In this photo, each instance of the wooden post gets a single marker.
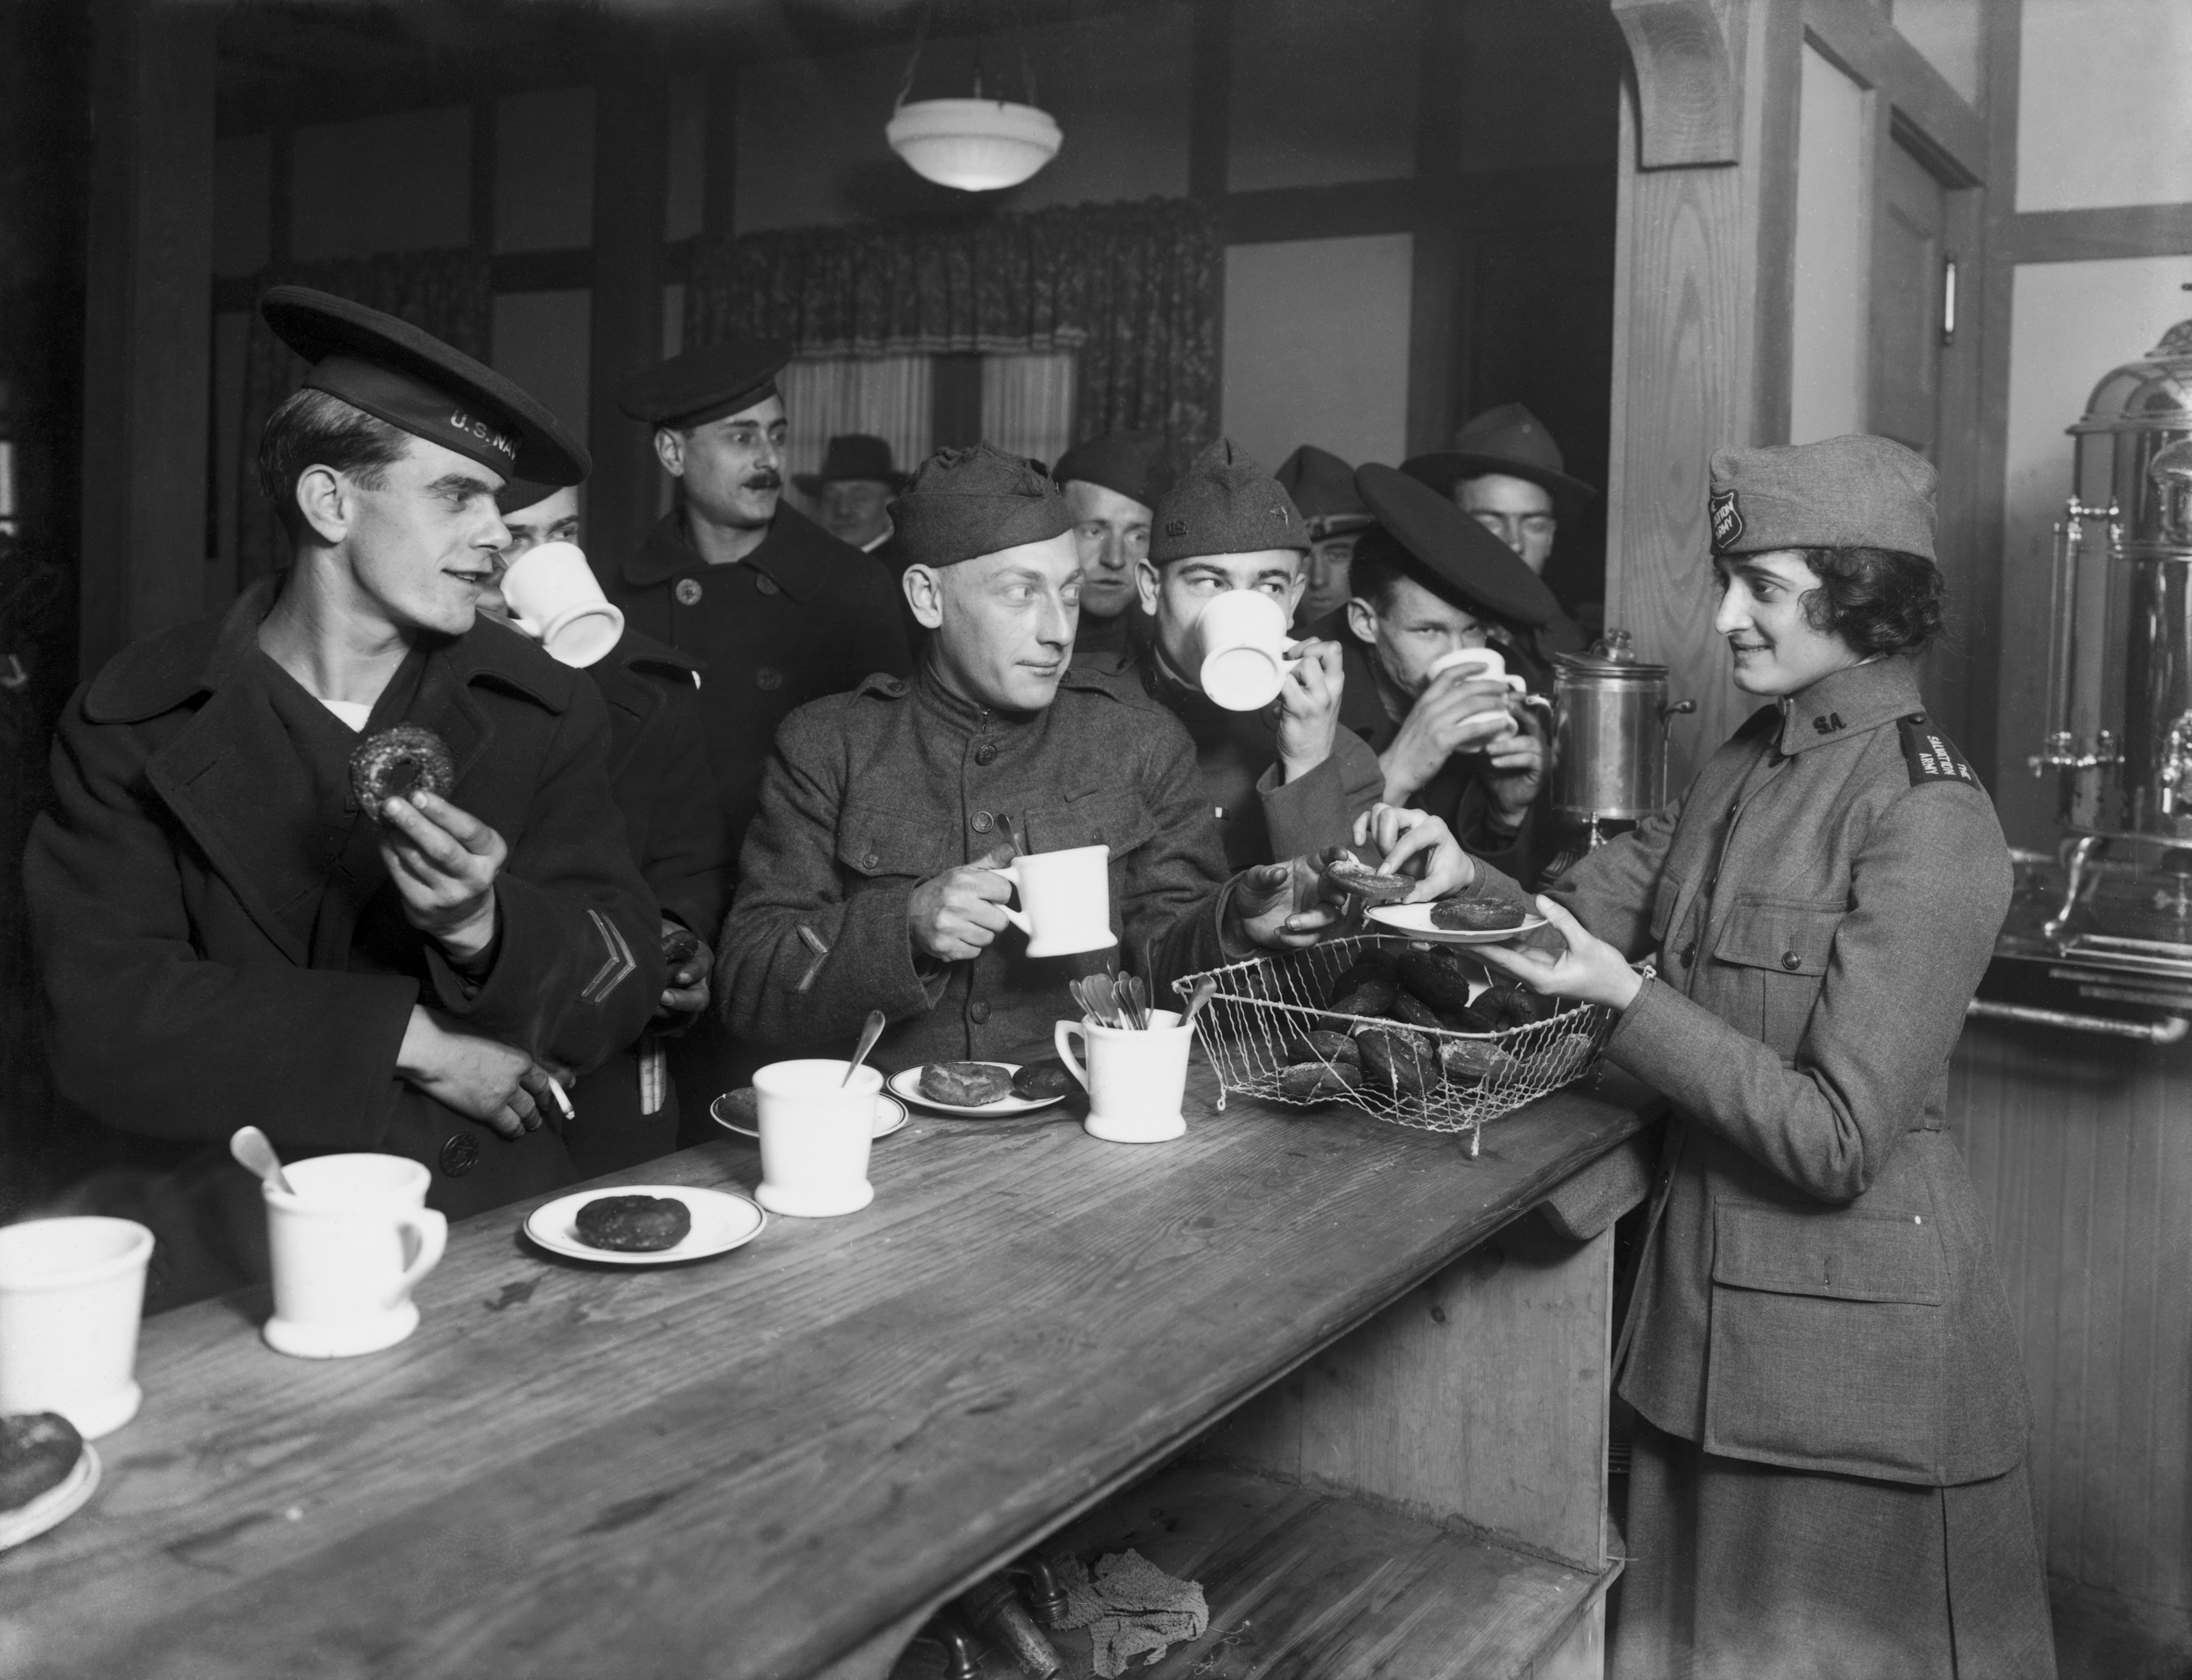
(630, 214)
(148, 322)
(1701, 299)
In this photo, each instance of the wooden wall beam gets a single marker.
(719, 180)
(1688, 102)
(630, 216)
(1858, 35)
(2083, 236)
(1210, 94)
(148, 315)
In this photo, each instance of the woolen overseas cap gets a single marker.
(1452, 554)
(706, 383)
(417, 384)
(1323, 488)
(1841, 493)
(963, 504)
(1224, 503)
(1137, 464)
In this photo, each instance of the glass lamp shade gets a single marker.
(976, 145)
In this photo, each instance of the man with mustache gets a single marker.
(870, 879)
(774, 610)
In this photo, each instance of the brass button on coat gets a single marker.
(983, 823)
(1791, 961)
(768, 679)
(764, 583)
(687, 591)
(460, 1154)
(978, 1013)
(986, 753)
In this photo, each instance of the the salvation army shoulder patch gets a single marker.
(1932, 756)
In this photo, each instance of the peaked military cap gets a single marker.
(413, 381)
(706, 383)
(1841, 493)
(1509, 439)
(963, 504)
(1224, 503)
(1449, 552)
(1323, 488)
(1137, 464)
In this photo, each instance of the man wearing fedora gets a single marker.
(1506, 472)
(1322, 487)
(852, 491)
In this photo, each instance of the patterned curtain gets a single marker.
(449, 293)
(1027, 403)
(1131, 289)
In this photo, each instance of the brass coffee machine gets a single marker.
(2120, 663)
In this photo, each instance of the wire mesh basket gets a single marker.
(1257, 1024)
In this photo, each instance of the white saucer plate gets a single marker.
(890, 1115)
(1415, 921)
(906, 1085)
(721, 1223)
(54, 1507)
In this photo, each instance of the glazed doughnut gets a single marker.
(399, 761)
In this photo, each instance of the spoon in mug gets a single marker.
(869, 1034)
(255, 1153)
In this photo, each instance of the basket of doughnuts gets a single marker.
(1418, 1034)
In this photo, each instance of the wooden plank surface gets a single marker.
(747, 1467)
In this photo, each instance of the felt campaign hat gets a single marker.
(409, 378)
(1841, 493)
(1224, 503)
(853, 455)
(1449, 552)
(1136, 464)
(706, 383)
(962, 503)
(1509, 439)
(1323, 488)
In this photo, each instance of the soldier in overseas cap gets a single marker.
(629, 1107)
(1832, 1418)
(1285, 779)
(870, 879)
(1431, 583)
(1322, 487)
(227, 938)
(1112, 483)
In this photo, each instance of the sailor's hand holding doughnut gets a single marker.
(443, 860)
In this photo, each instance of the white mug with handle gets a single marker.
(1136, 1078)
(339, 1236)
(1243, 638)
(1065, 900)
(556, 600)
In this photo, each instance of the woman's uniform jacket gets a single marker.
(217, 953)
(1821, 902)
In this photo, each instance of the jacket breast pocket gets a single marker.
(1094, 817)
(1781, 951)
(878, 844)
(1827, 1341)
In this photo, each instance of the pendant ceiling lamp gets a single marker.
(973, 145)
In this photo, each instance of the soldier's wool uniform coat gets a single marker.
(221, 945)
(1834, 1410)
(660, 778)
(874, 792)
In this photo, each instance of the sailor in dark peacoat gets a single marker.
(218, 944)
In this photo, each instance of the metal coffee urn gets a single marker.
(1610, 712)
(2119, 661)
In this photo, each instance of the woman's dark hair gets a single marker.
(311, 429)
(1879, 601)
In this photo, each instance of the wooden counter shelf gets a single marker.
(778, 1463)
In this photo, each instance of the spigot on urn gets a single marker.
(2174, 775)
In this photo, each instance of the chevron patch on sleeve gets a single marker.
(618, 963)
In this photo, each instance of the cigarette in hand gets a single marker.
(562, 1101)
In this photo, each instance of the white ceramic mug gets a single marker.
(1136, 1079)
(342, 1275)
(1491, 666)
(816, 1129)
(71, 1292)
(1065, 900)
(556, 600)
(1243, 639)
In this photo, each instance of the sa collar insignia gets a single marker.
(1726, 521)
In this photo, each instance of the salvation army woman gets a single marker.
(1828, 1467)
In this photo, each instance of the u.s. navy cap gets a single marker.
(412, 380)
(1450, 553)
(706, 383)
(963, 504)
(1841, 493)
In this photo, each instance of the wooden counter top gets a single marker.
(749, 1466)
